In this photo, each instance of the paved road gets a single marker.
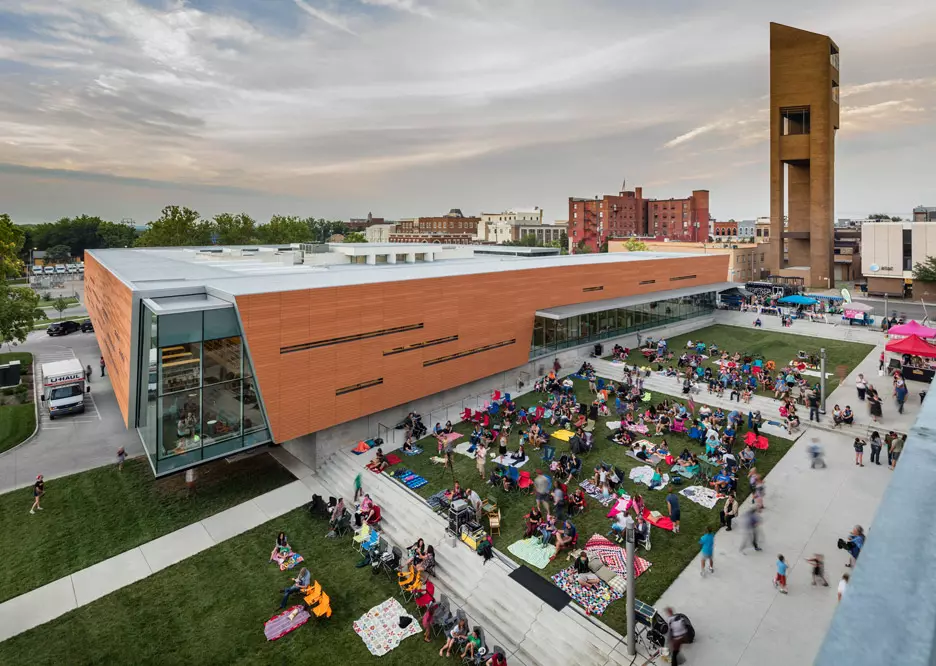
(76, 442)
(908, 308)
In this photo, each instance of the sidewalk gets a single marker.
(739, 618)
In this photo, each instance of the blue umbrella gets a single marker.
(797, 299)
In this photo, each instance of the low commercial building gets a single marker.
(215, 350)
(924, 214)
(746, 261)
(889, 250)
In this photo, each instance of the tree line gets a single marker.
(176, 226)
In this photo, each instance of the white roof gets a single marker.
(56, 368)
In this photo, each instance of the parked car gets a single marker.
(63, 327)
(71, 268)
(87, 326)
(37, 270)
(48, 270)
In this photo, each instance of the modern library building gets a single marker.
(213, 350)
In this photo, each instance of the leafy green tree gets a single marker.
(634, 245)
(177, 226)
(284, 229)
(60, 305)
(355, 237)
(323, 229)
(925, 271)
(116, 234)
(11, 242)
(58, 254)
(19, 310)
(240, 229)
(562, 243)
(78, 234)
(582, 248)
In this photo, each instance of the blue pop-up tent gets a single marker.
(797, 299)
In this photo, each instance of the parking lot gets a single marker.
(74, 442)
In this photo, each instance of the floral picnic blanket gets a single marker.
(379, 627)
(289, 561)
(595, 493)
(613, 556)
(532, 552)
(644, 474)
(594, 600)
(702, 496)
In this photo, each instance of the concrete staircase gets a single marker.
(530, 631)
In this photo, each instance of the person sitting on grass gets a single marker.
(583, 573)
(576, 501)
(299, 582)
(641, 531)
(472, 644)
(747, 456)
(565, 536)
(379, 463)
(547, 528)
(533, 521)
(657, 479)
(337, 513)
(636, 503)
(457, 633)
(282, 545)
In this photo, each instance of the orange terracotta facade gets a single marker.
(327, 381)
(110, 305)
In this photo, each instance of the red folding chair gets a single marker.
(427, 597)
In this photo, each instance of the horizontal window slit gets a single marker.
(349, 338)
(358, 387)
(468, 352)
(420, 345)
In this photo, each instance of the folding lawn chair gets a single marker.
(549, 452)
(323, 608)
(409, 592)
(480, 655)
(391, 564)
(343, 526)
(424, 600)
(362, 535)
(443, 618)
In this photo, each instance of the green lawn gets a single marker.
(773, 346)
(17, 422)
(210, 609)
(94, 515)
(670, 553)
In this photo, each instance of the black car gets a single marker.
(87, 326)
(62, 328)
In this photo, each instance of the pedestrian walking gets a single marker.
(818, 569)
(358, 488)
(874, 404)
(38, 492)
(729, 511)
(88, 373)
(678, 634)
(121, 456)
(881, 362)
(780, 579)
(859, 451)
(876, 448)
(843, 585)
(707, 542)
(672, 506)
(541, 487)
(900, 392)
(816, 458)
(752, 520)
(103, 364)
(861, 386)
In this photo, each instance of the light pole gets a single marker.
(822, 381)
(631, 585)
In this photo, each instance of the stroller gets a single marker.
(418, 430)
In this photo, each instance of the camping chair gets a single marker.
(513, 475)
(480, 656)
(489, 505)
(362, 535)
(372, 540)
(407, 577)
(323, 608)
(312, 594)
(391, 564)
(549, 452)
(427, 597)
(466, 414)
(344, 524)
(524, 481)
(442, 619)
(679, 425)
(409, 592)
(494, 519)
(496, 396)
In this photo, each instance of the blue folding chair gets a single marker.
(549, 452)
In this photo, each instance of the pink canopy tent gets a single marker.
(913, 328)
(913, 345)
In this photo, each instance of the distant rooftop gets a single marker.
(228, 271)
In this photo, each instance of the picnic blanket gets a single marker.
(532, 551)
(702, 496)
(653, 458)
(379, 627)
(282, 623)
(563, 435)
(595, 493)
(644, 474)
(463, 449)
(509, 461)
(663, 522)
(415, 451)
(452, 436)
(410, 479)
(594, 600)
(619, 505)
(288, 561)
(638, 428)
(613, 556)
(613, 425)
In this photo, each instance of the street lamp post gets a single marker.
(822, 379)
(631, 585)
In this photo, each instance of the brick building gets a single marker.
(360, 224)
(593, 221)
(726, 229)
(453, 222)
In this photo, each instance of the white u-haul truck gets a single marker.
(63, 387)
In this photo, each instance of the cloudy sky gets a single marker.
(334, 108)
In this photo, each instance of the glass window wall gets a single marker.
(552, 335)
(198, 395)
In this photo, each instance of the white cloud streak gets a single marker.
(324, 17)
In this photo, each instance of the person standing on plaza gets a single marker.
(812, 400)
(780, 578)
(88, 373)
(729, 511)
(876, 447)
(881, 361)
(38, 492)
(874, 404)
(859, 451)
(843, 585)
(672, 506)
(707, 542)
(481, 457)
(900, 392)
(818, 569)
(121, 457)
(102, 366)
(896, 448)
(752, 520)
(861, 386)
